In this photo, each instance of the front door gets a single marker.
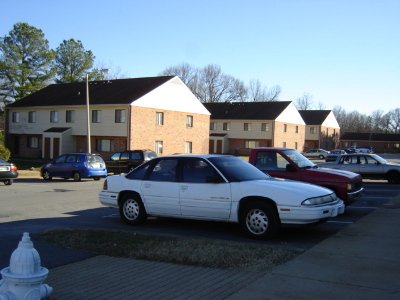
(56, 147)
(47, 148)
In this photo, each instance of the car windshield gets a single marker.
(2, 161)
(235, 169)
(380, 159)
(300, 160)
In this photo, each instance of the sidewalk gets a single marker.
(360, 262)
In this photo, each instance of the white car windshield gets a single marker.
(300, 160)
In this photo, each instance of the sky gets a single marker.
(340, 52)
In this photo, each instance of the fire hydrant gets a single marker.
(23, 279)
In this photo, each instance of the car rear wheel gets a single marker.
(131, 210)
(393, 177)
(8, 182)
(46, 175)
(76, 176)
(96, 178)
(260, 220)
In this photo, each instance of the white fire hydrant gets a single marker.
(23, 279)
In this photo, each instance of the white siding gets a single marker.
(290, 115)
(330, 121)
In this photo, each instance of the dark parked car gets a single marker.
(125, 161)
(76, 166)
(8, 171)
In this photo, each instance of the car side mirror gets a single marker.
(290, 168)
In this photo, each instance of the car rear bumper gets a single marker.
(108, 198)
(8, 175)
(97, 173)
(311, 214)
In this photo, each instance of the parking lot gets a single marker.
(35, 206)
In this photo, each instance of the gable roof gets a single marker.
(314, 117)
(118, 91)
(366, 136)
(247, 110)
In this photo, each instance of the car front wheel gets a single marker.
(260, 220)
(46, 175)
(393, 177)
(131, 210)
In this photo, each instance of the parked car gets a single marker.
(316, 153)
(76, 166)
(333, 154)
(123, 162)
(290, 164)
(218, 188)
(364, 150)
(8, 172)
(368, 166)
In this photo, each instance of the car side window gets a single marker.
(124, 156)
(61, 159)
(71, 159)
(115, 156)
(136, 156)
(371, 161)
(196, 170)
(164, 170)
(138, 173)
(266, 161)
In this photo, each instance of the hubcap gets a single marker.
(131, 209)
(257, 221)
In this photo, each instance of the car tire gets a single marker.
(131, 209)
(76, 176)
(46, 175)
(96, 178)
(321, 157)
(393, 177)
(8, 182)
(260, 220)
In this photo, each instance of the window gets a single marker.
(284, 127)
(159, 118)
(120, 115)
(213, 126)
(164, 170)
(96, 116)
(32, 117)
(70, 116)
(266, 161)
(295, 145)
(312, 130)
(297, 129)
(225, 126)
(33, 142)
(189, 121)
(158, 147)
(284, 144)
(53, 116)
(196, 170)
(15, 117)
(188, 147)
(264, 127)
(246, 126)
(250, 144)
(104, 145)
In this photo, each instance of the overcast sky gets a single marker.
(341, 52)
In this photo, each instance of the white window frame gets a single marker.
(33, 142)
(265, 127)
(15, 117)
(249, 144)
(188, 147)
(96, 116)
(120, 115)
(225, 126)
(159, 118)
(32, 117)
(213, 126)
(189, 121)
(104, 145)
(158, 147)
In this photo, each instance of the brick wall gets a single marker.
(174, 133)
(290, 137)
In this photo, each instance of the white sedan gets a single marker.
(219, 188)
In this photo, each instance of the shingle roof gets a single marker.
(314, 117)
(118, 91)
(247, 110)
(366, 136)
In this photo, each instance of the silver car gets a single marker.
(316, 153)
(370, 166)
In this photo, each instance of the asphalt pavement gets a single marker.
(362, 261)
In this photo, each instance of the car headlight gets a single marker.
(320, 200)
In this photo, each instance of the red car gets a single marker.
(290, 164)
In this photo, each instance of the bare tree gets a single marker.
(304, 102)
(394, 120)
(258, 92)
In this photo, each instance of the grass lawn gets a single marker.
(205, 253)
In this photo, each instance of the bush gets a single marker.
(4, 153)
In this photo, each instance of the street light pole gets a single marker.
(89, 148)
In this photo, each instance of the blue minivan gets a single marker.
(76, 166)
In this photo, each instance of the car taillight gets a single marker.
(105, 185)
(13, 168)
